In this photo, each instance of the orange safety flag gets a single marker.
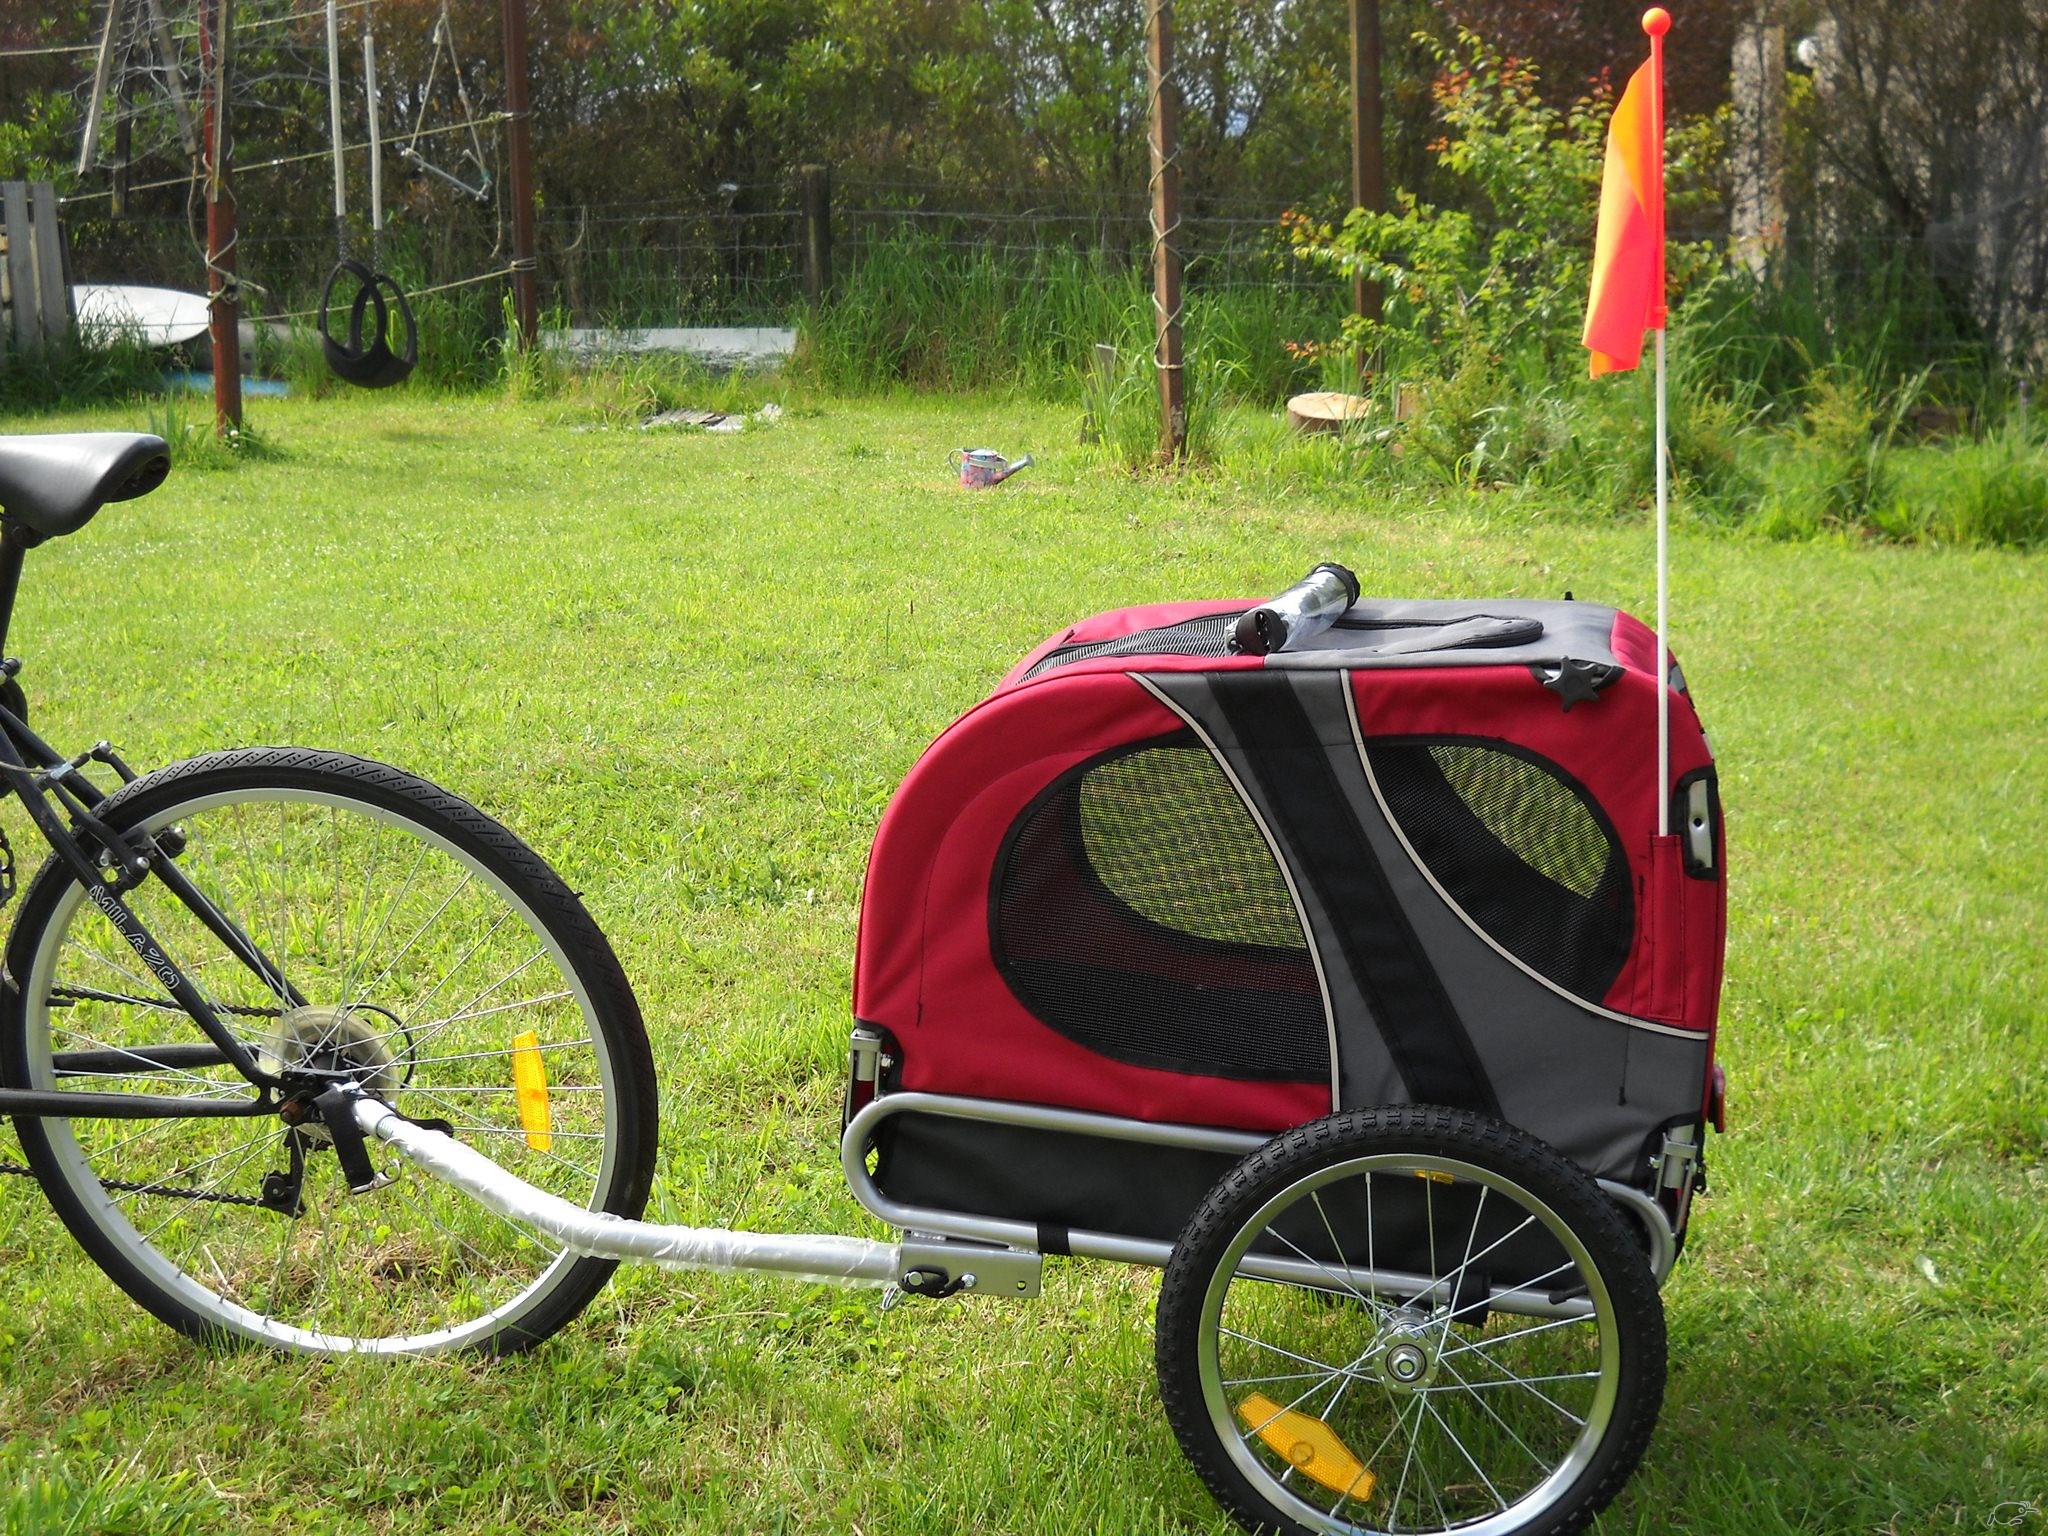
(1627, 295)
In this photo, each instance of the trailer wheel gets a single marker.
(1410, 1319)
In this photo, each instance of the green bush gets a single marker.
(1504, 271)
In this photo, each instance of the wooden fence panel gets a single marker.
(21, 283)
(37, 266)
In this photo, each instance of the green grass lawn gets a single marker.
(690, 670)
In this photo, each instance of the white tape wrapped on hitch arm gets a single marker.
(835, 1260)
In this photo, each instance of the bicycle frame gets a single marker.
(51, 788)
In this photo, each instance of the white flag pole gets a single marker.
(1663, 606)
(1656, 22)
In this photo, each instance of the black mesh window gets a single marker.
(1138, 911)
(1209, 636)
(1523, 849)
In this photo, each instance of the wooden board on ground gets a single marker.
(1327, 410)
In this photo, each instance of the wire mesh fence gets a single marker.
(734, 256)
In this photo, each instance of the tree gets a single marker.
(1934, 122)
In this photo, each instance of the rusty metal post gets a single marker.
(216, 35)
(1166, 290)
(519, 151)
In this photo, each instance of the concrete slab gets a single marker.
(724, 348)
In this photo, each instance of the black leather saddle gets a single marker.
(51, 485)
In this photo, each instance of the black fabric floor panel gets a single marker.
(1089, 1182)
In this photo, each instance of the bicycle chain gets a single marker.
(88, 995)
(129, 1186)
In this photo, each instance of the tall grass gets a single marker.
(74, 371)
(914, 311)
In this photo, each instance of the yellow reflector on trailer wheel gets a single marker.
(1307, 1444)
(530, 1088)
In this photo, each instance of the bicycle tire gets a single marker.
(296, 846)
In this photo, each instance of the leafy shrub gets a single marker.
(1507, 273)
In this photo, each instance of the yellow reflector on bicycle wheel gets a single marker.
(530, 1088)
(1308, 1444)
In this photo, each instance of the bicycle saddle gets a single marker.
(51, 485)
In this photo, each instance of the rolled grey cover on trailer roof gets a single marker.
(1378, 632)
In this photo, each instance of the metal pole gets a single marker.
(1657, 22)
(334, 115)
(1368, 152)
(96, 108)
(1166, 294)
(376, 139)
(525, 292)
(215, 32)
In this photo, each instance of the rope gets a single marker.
(185, 37)
(460, 282)
(271, 165)
(444, 37)
(37, 53)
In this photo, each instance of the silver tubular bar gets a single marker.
(839, 1260)
(1393, 1288)
(1649, 1215)
(853, 1149)
(853, 1152)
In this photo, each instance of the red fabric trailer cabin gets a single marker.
(1414, 860)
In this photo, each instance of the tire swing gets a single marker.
(363, 354)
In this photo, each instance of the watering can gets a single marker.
(980, 467)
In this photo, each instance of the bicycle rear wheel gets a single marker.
(429, 957)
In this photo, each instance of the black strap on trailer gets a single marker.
(1414, 1015)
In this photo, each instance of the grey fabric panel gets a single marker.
(1366, 1073)
(1376, 633)
(1592, 1087)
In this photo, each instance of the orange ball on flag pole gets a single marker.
(1656, 21)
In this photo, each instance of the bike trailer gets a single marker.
(1173, 883)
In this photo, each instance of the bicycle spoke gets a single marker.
(418, 933)
(1231, 1333)
(1503, 1338)
(427, 1032)
(1542, 1463)
(1316, 1196)
(364, 897)
(352, 998)
(1470, 1460)
(1508, 1378)
(255, 1149)
(502, 1053)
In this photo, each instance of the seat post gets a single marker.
(12, 547)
